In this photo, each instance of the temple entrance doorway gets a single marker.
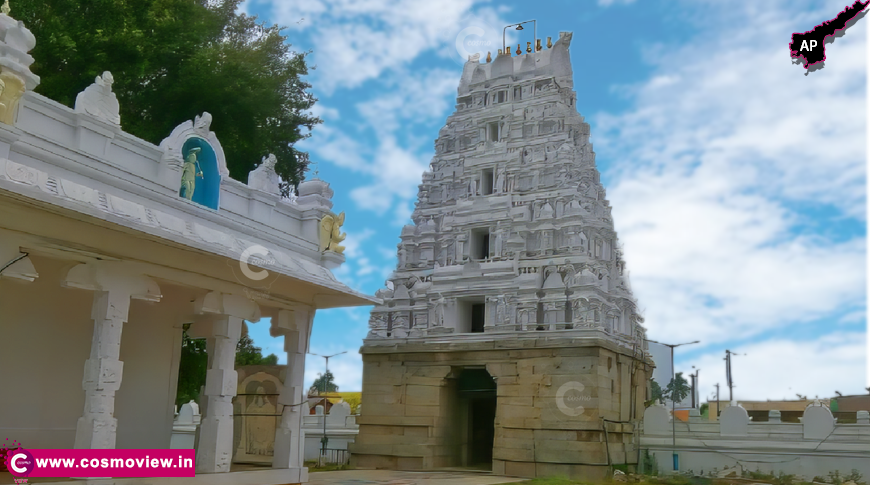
(476, 406)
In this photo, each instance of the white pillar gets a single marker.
(215, 452)
(295, 326)
(102, 378)
(113, 285)
(221, 324)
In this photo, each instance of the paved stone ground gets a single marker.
(343, 477)
(391, 477)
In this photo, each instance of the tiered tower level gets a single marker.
(511, 217)
(508, 335)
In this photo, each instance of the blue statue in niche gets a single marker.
(189, 173)
(200, 176)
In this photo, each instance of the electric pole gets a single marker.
(717, 400)
(673, 400)
(728, 380)
(325, 439)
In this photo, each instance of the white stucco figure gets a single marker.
(440, 303)
(264, 177)
(99, 101)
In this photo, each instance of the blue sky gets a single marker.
(738, 183)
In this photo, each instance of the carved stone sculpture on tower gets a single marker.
(99, 101)
(440, 303)
(500, 181)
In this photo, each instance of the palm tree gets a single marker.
(323, 384)
(677, 389)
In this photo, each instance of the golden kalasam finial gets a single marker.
(488, 56)
(529, 47)
(508, 52)
(538, 45)
(519, 51)
(5, 8)
(500, 52)
(549, 42)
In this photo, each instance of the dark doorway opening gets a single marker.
(477, 394)
(478, 315)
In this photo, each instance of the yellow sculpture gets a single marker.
(189, 174)
(330, 233)
(11, 90)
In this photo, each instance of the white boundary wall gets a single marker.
(814, 447)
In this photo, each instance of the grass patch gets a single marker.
(329, 467)
(553, 481)
(647, 480)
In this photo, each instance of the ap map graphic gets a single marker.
(810, 46)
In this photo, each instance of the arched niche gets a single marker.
(208, 188)
(212, 161)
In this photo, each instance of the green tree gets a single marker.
(655, 392)
(323, 383)
(192, 367)
(248, 354)
(172, 60)
(678, 388)
(193, 364)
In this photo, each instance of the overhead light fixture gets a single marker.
(519, 27)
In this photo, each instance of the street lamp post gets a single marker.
(325, 440)
(519, 26)
(673, 401)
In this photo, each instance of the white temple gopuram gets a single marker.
(508, 338)
(111, 246)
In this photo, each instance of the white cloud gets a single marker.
(858, 316)
(394, 164)
(420, 98)
(354, 41)
(346, 368)
(783, 368)
(324, 112)
(723, 140)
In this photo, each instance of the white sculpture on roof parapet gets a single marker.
(99, 101)
(264, 177)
